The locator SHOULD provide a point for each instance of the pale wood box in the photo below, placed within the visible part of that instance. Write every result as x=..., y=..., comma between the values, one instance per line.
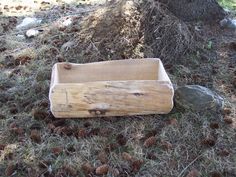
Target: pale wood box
x=110, y=88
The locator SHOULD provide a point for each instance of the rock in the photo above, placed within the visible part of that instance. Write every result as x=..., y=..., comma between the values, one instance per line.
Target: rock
x=67, y=22
x=228, y=23
x=197, y=98
x=20, y=37
x=31, y=33
x=67, y=46
x=28, y=22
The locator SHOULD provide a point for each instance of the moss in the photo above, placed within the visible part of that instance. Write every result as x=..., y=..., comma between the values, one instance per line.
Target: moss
x=230, y=4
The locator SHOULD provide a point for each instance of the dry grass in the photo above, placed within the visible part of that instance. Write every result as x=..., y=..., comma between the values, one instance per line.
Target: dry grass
x=34, y=143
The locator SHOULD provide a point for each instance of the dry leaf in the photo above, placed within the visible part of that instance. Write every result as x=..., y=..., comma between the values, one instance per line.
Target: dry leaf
x=51, y=127
x=224, y=152
x=18, y=130
x=39, y=114
x=94, y=132
x=121, y=139
x=173, y=164
x=87, y=124
x=44, y=164
x=114, y=172
x=214, y=125
x=58, y=123
x=215, y=174
x=102, y=156
x=58, y=130
x=60, y=58
x=209, y=142
x=70, y=170
x=82, y=133
x=67, y=130
x=150, y=141
x=227, y=111
x=150, y=134
x=166, y=145
x=10, y=169
x=151, y=156
x=102, y=170
x=105, y=132
x=126, y=156
x=32, y=172
x=193, y=173
x=13, y=110
x=111, y=147
x=136, y=165
x=2, y=146
x=35, y=136
x=56, y=150
x=13, y=125
x=87, y=168
x=228, y=120
x=70, y=150
x=173, y=122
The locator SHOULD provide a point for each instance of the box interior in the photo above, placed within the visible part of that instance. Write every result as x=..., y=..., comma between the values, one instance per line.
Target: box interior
x=118, y=70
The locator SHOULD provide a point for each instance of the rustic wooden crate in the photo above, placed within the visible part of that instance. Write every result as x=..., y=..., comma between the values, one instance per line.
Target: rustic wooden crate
x=110, y=88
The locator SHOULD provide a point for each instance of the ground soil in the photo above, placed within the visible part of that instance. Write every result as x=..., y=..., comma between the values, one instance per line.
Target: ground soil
x=181, y=143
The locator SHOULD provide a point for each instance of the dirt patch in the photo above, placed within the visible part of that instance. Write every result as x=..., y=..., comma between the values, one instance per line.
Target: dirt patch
x=168, y=37
x=197, y=10
x=109, y=33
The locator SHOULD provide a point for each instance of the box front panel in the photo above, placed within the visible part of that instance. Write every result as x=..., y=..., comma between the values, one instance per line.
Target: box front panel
x=112, y=98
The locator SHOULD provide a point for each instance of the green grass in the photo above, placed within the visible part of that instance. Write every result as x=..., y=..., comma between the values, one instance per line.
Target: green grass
x=229, y=4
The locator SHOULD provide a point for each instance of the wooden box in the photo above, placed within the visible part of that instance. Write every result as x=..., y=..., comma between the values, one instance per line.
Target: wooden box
x=110, y=88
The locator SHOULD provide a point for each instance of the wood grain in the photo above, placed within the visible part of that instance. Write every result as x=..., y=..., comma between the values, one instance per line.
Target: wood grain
x=117, y=95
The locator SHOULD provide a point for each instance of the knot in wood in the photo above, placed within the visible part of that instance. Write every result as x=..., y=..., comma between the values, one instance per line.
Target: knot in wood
x=97, y=112
x=67, y=66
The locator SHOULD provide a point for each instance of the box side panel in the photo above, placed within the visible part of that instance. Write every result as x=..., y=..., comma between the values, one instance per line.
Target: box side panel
x=54, y=76
x=162, y=75
x=117, y=98
x=58, y=99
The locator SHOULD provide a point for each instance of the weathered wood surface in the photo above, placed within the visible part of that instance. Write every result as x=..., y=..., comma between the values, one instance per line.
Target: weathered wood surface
x=114, y=88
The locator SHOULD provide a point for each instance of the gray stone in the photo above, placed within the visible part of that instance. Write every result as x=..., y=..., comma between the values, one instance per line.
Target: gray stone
x=32, y=33
x=28, y=22
x=67, y=46
x=197, y=98
x=228, y=23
